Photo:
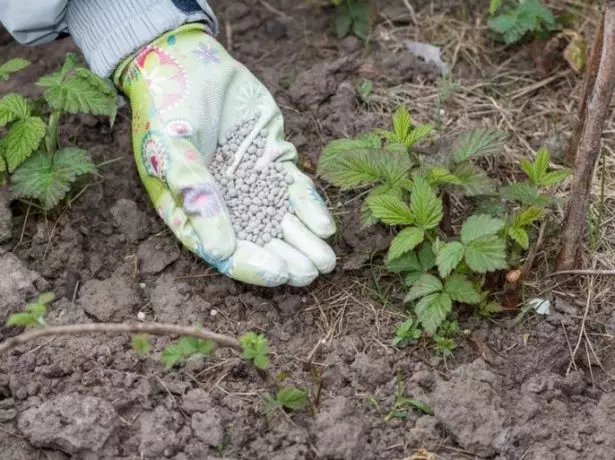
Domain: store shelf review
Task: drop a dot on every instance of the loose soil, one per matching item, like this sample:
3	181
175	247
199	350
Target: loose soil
510	392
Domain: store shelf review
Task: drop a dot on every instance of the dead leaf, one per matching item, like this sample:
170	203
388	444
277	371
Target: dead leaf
575	52
422	454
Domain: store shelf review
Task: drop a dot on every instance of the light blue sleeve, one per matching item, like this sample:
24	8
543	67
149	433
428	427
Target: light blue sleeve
32	22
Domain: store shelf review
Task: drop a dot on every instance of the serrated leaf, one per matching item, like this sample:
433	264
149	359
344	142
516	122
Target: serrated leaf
402	123
480	225
171	355
390	209
343	21
425	285
554	177
494	5
462	290
448	258
359	166
525	193
472	181
408	262
405	241
12	66
520	236
48	180
292	398
477	143
81	92
261	361
417	134
439	175
23	319
425	206
206	347
140	344
13	107
45	298
486	254
541	163
427	258
526	217
23	138
412	277
432	310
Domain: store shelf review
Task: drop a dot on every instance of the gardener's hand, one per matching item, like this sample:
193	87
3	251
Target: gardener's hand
209	144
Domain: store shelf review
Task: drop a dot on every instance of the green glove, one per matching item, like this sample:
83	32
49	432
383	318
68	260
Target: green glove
208	140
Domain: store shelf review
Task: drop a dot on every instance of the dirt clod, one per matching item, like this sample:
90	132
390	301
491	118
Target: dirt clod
131	221
73	423
157	253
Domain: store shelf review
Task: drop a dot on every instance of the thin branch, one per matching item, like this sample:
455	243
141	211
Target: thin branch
583	272
588	150
531	257
120	328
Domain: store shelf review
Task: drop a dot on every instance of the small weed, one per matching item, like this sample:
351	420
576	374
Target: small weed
517	20
364	89
289	398
352	16
407	193
29	153
402	404
407	332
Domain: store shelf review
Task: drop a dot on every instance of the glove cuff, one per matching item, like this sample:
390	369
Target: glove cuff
107	31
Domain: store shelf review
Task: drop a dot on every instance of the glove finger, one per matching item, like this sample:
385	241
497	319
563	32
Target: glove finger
301	270
298	235
308	204
178	163
256	265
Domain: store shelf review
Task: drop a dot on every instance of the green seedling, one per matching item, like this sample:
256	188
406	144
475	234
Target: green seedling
352	16
518	20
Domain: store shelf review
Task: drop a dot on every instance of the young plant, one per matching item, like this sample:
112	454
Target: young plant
517	20
286	398
352	16
408	191
406	333
30	152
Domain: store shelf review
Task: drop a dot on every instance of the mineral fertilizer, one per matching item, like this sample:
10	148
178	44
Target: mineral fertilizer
257	200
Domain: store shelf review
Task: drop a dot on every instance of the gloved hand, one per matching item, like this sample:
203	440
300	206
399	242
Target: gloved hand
198	113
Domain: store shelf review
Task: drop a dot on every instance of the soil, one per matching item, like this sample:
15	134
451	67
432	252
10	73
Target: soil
508	393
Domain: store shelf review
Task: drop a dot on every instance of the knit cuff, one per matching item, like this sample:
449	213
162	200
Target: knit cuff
107	31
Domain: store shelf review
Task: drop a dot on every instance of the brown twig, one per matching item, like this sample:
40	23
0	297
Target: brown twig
588	149
529	261
120	328
590	82
583	272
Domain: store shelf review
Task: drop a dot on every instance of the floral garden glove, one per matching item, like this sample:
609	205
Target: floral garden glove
208	140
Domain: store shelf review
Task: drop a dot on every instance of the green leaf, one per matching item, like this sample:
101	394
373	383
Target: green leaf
408	262
206	347
292	398
525	193
405	241
486	254
415	404
480	225
402	123
477	143
520	236
425	206
390	209
255	348
22	319
554	177
427	258
359	166
425	285
45	298
449	257
494	5
171	355
527	216
13	107
343	22
462	290
439	175
417	134
80	91
12	66
407	332
261	362
473	181
48	179
140	344
23	138
432	310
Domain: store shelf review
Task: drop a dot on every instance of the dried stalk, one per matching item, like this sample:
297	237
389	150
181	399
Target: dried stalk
120	328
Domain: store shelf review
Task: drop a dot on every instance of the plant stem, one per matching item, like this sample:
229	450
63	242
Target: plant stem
51	140
588	149
120	328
